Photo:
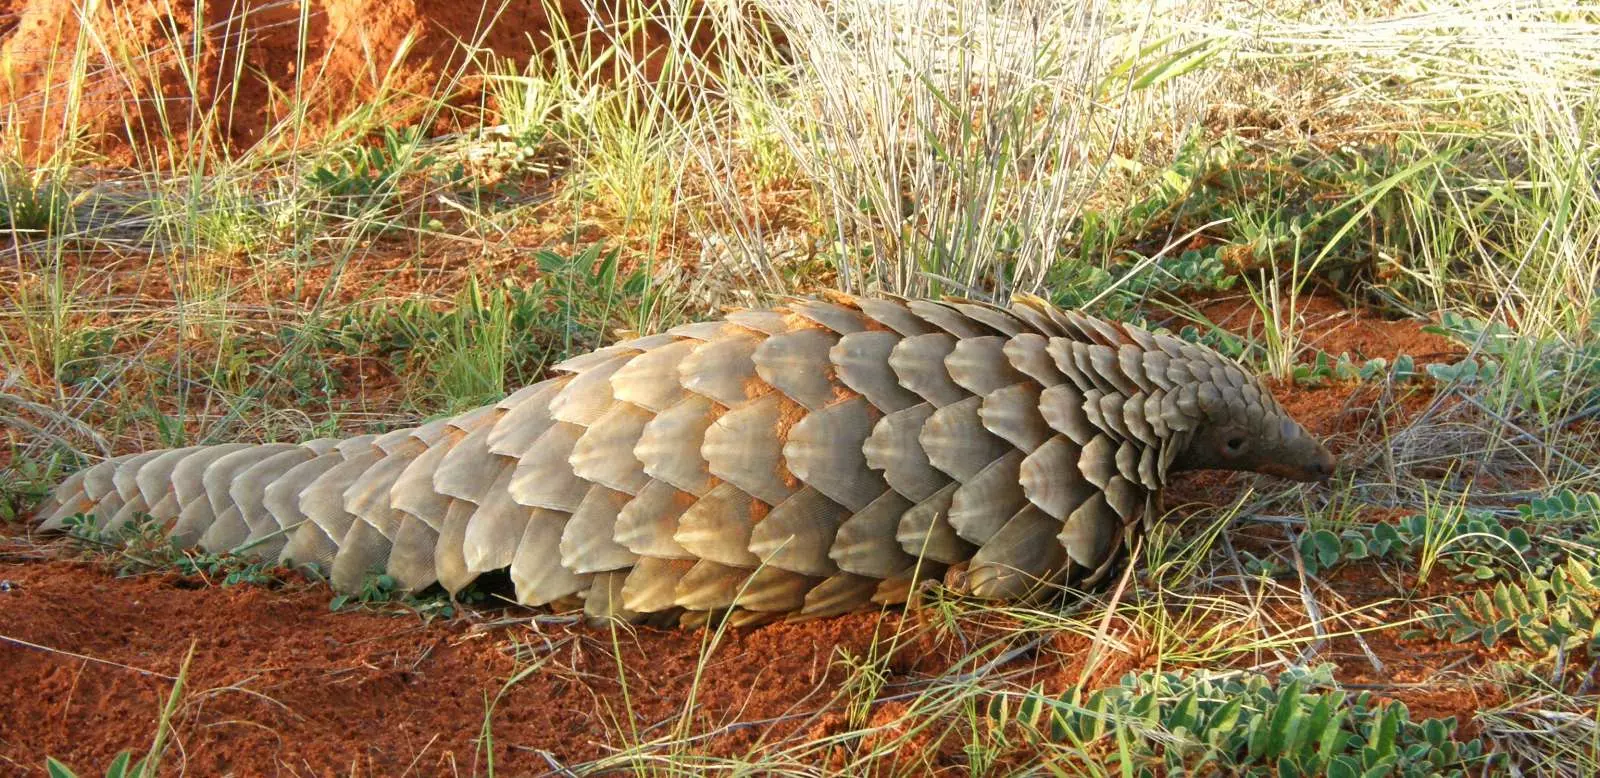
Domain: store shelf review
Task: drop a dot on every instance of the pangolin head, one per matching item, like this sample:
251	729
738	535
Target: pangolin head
1244	428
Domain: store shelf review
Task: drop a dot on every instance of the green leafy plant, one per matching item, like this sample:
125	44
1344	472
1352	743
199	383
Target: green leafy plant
1332	214
142	544
1495	337
364	178
379	588
1322	550
32	202
1343	369
1546	612
83	353
1403	369
1324	368
1565	505
375	588
122	766
1248	725
27	481
1479	547
1466	371
1544	372
494	335
1226	343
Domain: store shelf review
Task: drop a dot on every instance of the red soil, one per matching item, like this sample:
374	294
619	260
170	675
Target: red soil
280	685
227	76
277	679
1332	328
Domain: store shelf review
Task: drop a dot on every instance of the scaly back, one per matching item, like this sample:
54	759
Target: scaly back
806	460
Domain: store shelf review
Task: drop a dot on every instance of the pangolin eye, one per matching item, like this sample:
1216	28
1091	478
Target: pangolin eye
1235	444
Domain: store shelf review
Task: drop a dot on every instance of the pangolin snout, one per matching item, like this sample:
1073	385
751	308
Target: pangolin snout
1314	469
1323	467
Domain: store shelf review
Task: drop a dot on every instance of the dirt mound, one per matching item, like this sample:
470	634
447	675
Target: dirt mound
279	680
281	685
1329	327
146	73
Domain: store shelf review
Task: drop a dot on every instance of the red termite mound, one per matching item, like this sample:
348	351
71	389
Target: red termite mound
135	80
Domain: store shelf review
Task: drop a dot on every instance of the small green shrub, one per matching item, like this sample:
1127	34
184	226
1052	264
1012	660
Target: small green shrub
1174	724
375	588
1549	611
366	178
1225	343
494	335
122	766
86	355
1477	548
379	588
1324	369
1467	371
142	545
35	203
1560	374
1332	212
1565	505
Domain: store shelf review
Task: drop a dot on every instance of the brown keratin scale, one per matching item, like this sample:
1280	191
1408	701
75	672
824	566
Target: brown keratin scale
798	462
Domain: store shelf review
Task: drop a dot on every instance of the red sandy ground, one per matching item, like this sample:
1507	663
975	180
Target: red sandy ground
281	686
224	76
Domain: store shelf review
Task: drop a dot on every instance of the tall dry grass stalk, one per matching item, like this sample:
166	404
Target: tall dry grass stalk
948	145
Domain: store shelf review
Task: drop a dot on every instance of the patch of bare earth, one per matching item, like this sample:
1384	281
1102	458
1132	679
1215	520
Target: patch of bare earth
222	74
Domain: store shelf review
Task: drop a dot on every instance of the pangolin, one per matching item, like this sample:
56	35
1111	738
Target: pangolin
798	461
